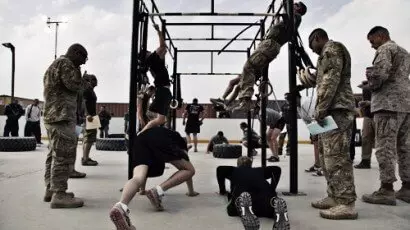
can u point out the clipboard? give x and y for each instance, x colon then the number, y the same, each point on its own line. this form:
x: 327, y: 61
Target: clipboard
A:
x: 95, y: 124
x: 329, y: 125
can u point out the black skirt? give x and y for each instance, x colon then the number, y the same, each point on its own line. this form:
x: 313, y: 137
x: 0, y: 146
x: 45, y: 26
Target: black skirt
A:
x: 157, y: 146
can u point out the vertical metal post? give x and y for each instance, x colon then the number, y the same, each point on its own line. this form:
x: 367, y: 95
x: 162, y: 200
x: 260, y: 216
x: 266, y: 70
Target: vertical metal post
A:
x: 212, y: 62
x: 264, y: 102
x: 13, y: 69
x: 135, y: 73
x: 175, y: 88
x: 212, y: 31
x: 293, y: 132
x: 249, y: 120
x: 212, y: 6
x: 56, y: 39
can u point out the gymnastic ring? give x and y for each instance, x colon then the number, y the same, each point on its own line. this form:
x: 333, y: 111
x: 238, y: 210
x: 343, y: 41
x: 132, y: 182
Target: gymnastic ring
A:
x: 261, y: 86
x: 258, y: 82
x: 174, y: 101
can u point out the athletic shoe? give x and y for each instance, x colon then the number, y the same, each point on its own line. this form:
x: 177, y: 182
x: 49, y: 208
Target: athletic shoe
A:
x: 244, y: 206
x: 155, y: 199
x: 121, y: 218
x: 281, y: 212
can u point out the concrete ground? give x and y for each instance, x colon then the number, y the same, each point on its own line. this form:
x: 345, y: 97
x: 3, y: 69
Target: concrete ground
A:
x: 22, y: 189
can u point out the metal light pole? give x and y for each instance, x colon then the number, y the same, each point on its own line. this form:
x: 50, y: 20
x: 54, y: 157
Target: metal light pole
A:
x: 57, y: 23
x: 13, y: 58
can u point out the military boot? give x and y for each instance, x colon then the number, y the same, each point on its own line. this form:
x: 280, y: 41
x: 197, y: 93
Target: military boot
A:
x: 340, y: 212
x: 324, y: 203
x: 385, y: 195
x: 364, y: 164
x: 404, y: 193
x: 63, y: 200
x: 76, y: 174
x: 48, y: 195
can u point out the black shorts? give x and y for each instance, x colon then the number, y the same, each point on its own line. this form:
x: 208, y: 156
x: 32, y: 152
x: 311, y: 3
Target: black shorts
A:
x: 161, y: 101
x: 193, y: 127
x: 280, y: 124
x: 157, y: 146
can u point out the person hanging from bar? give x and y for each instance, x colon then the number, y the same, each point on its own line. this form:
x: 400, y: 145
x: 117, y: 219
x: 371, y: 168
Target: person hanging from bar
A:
x: 155, y: 62
x: 267, y: 51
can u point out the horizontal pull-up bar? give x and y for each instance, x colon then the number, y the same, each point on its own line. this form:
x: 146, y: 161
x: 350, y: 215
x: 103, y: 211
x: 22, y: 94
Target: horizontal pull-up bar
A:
x: 210, y: 39
x: 211, y: 14
x: 212, y: 24
x: 211, y: 51
x: 209, y: 73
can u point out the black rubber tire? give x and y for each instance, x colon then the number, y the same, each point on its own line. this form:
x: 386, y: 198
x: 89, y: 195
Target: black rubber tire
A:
x: 111, y: 144
x: 17, y: 144
x: 227, y: 151
x: 116, y: 135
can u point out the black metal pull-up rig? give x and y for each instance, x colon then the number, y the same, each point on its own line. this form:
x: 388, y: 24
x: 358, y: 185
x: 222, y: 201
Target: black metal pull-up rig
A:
x: 141, y: 16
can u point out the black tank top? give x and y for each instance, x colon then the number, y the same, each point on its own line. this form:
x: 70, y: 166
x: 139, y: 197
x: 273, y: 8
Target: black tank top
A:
x: 158, y: 70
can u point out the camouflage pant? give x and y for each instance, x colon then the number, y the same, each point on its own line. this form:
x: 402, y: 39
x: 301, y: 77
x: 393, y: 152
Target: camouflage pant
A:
x: 62, y: 154
x: 265, y: 53
x: 335, y: 160
x: 392, y: 141
x: 368, y: 138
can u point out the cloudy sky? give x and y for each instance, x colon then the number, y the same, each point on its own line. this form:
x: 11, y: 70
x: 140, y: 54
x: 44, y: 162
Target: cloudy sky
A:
x: 104, y: 28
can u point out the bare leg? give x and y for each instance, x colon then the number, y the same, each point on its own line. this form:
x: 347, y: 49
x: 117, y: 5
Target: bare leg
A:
x: 188, y: 138
x: 191, y: 192
x: 195, y: 142
x: 142, y: 187
x: 86, y: 150
x: 272, y: 143
x: 185, y: 172
x: 132, y: 186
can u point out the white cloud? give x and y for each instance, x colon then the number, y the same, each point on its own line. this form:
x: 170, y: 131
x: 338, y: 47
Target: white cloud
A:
x: 62, y: 3
x: 107, y: 36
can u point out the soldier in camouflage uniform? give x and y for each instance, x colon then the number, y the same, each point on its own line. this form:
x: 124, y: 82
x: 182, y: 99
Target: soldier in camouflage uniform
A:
x: 267, y: 51
x: 62, y: 83
x: 334, y: 98
x: 389, y: 82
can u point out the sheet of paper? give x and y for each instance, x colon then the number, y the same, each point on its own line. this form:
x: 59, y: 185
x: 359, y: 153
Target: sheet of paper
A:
x: 78, y: 130
x: 95, y: 124
x: 329, y: 124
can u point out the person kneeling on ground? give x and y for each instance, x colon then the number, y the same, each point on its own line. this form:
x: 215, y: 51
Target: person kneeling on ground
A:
x: 255, y: 138
x: 251, y: 196
x: 218, y: 139
x: 154, y: 148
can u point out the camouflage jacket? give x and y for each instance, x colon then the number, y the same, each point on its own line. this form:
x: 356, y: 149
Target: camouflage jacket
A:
x: 334, y: 90
x: 389, y: 81
x: 62, y: 83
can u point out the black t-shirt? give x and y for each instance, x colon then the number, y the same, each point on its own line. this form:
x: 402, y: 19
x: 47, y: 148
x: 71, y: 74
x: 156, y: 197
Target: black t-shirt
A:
x: 193, y: 111
x: 90, y: 100
x: 158, y: 70
x: 250, y: 180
